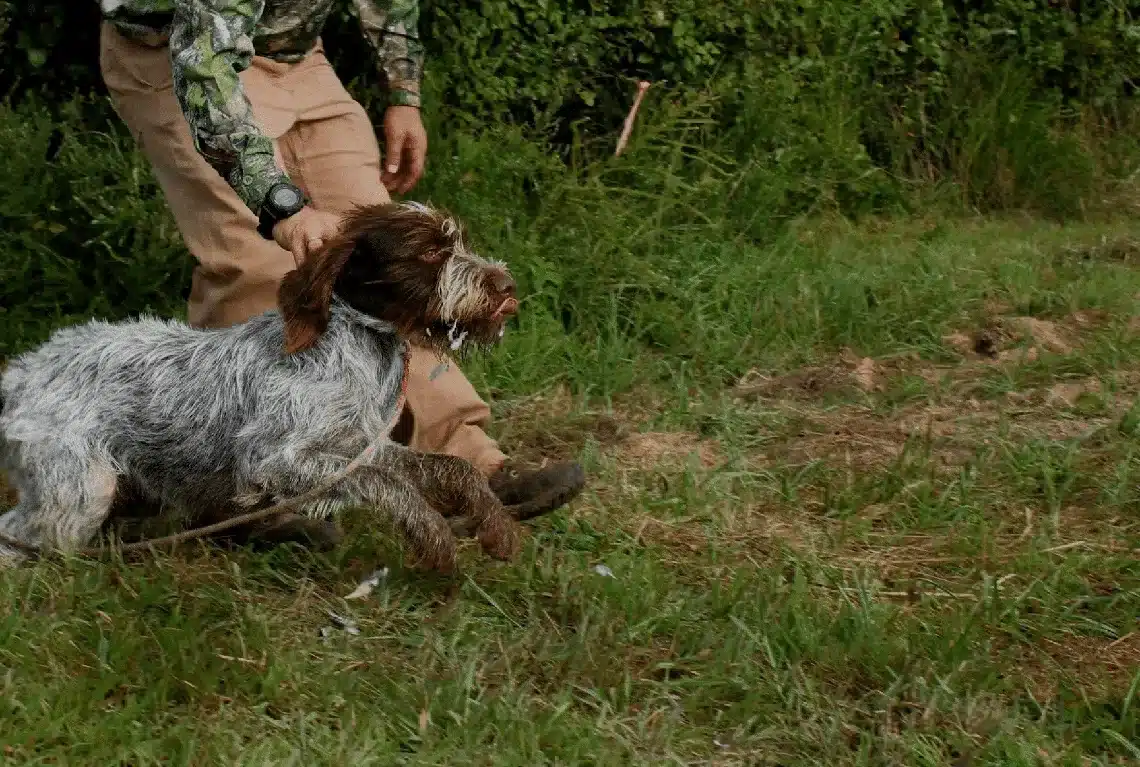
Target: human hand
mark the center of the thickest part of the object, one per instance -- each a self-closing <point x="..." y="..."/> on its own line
<point x="406" y="148"/>
<point x="305" y="232"/>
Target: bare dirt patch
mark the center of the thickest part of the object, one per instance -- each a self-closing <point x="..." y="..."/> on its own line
<point x="649" y="450"/>
<point x="1045" y="334"/>
<point x="859" y="439"/>
<point x="849" y="373"/>
<point x="1000" y="340"/>
<point x="1005" y="339"/>
<point x="1069" y="393"/>
<point x="949" y="431"/>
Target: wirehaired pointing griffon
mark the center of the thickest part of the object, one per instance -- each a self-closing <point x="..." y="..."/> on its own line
<point x="268" y="409"/>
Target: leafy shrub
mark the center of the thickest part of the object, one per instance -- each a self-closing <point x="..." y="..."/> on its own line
<point x="760" y="113"/>
<point x="558" y="65"/>
<point x="83" y="229"/>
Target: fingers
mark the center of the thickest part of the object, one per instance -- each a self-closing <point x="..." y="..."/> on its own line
<point x="403" y="177"/>
<point x="300" y="239"/>
<point x="299" y="250"/>
<point x="393" y="153"/>
<point x="320" y="230"/>
<point x="405" y="150"/>
<point x="306" y="234"/>
<point x="413" y="164"/>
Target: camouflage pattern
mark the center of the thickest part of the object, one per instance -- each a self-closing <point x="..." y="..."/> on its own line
<point x="391" y="29"/>
<point x="211" y="41"/>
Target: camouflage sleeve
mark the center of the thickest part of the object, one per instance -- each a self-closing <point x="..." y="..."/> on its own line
<point x="390" y="27"/>
<point x="211" y="41"/>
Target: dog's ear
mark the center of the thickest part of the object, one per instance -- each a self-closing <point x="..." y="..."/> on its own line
<point x="305" y="294"/>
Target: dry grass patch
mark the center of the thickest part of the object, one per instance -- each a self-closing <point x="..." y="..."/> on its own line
<point x="667" y="450"/>
<point x="1123" y="249"/>
<point x="1098" y="667"/>
<point x="557" y="426"/>
<point x="848" y="374"/>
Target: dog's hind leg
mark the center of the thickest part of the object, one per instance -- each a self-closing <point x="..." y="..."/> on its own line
<point x="16" y="523"/>
<point x="64" y="500"/>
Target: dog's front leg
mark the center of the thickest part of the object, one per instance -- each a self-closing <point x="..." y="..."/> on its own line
<point x="383" y="484"/>
<point x="422" y="525"/>
<point x="458" y="490"/>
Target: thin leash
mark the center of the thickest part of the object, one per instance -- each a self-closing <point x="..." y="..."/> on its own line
<point x="362" y="458"/>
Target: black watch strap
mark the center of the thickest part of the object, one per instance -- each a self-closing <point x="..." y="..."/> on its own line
<point x="281" y="201"/>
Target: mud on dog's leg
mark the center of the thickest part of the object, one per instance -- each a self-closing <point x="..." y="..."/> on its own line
<point x="460" y="491"/>
<point x="389" y="489"/>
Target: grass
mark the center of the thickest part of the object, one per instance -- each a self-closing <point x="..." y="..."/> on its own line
<point x="927" y="555"/>
<point x="866" y="492"/>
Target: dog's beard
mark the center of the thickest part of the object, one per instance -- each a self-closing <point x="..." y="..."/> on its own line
<point x="469" y="319"/>
<point x="458" y="339"/>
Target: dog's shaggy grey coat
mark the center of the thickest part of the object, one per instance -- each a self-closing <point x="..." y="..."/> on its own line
<point x="233" y="417"/>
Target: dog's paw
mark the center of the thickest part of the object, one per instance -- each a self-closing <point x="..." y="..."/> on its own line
<point x="11" y="558"/>
<point x="500" y="537"/>
<point x="442" y="562"/>
<point x="437" y="552"/>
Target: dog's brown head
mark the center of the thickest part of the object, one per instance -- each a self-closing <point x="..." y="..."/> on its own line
<point x="407" y="264"/>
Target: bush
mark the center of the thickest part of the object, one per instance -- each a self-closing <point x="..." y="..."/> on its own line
<point x="851" y="90"/>
<point x="83" y="229"/>
<point x="561" y="65"/>
<point x="761" y="113"/>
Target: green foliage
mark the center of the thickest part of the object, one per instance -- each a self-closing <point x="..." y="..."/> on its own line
<point x="670" y="260"/>
<point x="558" y="65"/>
<point x="83" y="229"/>
<point x="829" y="594"/>
<point x="761" y="113"/>
<point x="568" y="68"/>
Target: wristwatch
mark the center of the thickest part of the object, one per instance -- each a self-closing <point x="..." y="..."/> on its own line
<point x="281" y="201"/>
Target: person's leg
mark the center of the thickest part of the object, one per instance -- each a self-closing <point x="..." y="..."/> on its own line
<point x="238" y="271"/>
<point x="334" y="151"/>
<point x="334" y="155"/>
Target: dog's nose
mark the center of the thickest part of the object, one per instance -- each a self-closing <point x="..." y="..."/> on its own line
<point x="502" y="283"/>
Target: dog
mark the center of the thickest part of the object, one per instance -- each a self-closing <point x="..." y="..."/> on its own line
<point x="268" y="409"/>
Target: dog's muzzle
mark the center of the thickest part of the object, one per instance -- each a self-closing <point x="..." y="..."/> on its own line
<point x="509" y="307"/>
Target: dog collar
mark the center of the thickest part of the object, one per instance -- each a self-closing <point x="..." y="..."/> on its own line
<point x="401" y="400"/>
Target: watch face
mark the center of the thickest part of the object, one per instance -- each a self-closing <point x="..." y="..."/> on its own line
<point x="285" y="198"/>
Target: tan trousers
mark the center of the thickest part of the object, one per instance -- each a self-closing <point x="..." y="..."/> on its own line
<point x="326" y="143"/>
